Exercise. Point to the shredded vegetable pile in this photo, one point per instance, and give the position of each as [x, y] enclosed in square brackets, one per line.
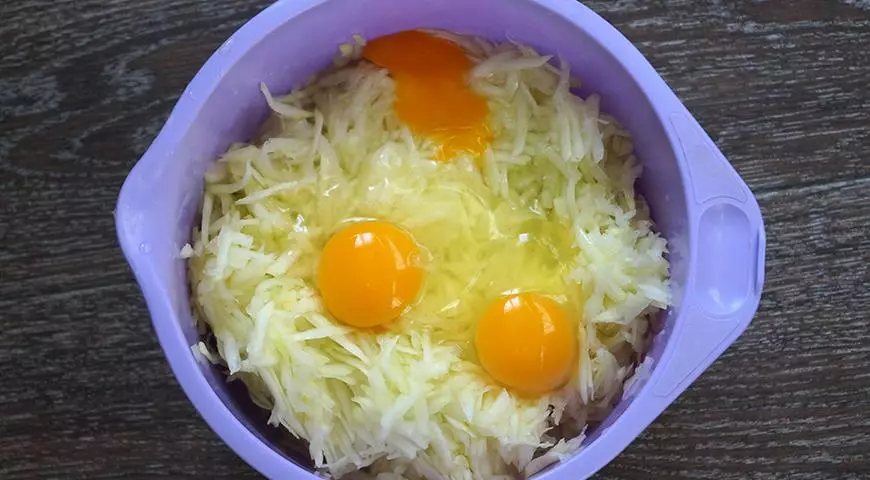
[410, 401]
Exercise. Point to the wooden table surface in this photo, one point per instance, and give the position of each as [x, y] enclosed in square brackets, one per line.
[783, 88]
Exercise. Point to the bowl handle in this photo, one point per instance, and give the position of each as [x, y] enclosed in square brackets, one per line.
[724, 288]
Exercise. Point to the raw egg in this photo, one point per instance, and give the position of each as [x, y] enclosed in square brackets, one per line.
[432, 93]
[525, 342]
[369, 273]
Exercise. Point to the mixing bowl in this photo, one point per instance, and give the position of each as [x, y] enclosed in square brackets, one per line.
[707, 213]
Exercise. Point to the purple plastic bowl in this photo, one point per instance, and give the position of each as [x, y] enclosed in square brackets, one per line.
[701, 205]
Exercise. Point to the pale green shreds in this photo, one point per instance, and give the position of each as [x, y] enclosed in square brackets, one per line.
[407, 403]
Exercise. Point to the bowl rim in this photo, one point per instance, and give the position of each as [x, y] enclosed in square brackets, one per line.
[185, 366]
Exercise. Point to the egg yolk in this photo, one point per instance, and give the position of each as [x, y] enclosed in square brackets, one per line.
[526, 343]
[369, 273]
[432, 93]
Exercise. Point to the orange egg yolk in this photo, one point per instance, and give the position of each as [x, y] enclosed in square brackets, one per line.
[369, 273]
[432, 93]
[526, 343]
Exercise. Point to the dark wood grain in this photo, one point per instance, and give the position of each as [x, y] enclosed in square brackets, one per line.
[783, 87]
